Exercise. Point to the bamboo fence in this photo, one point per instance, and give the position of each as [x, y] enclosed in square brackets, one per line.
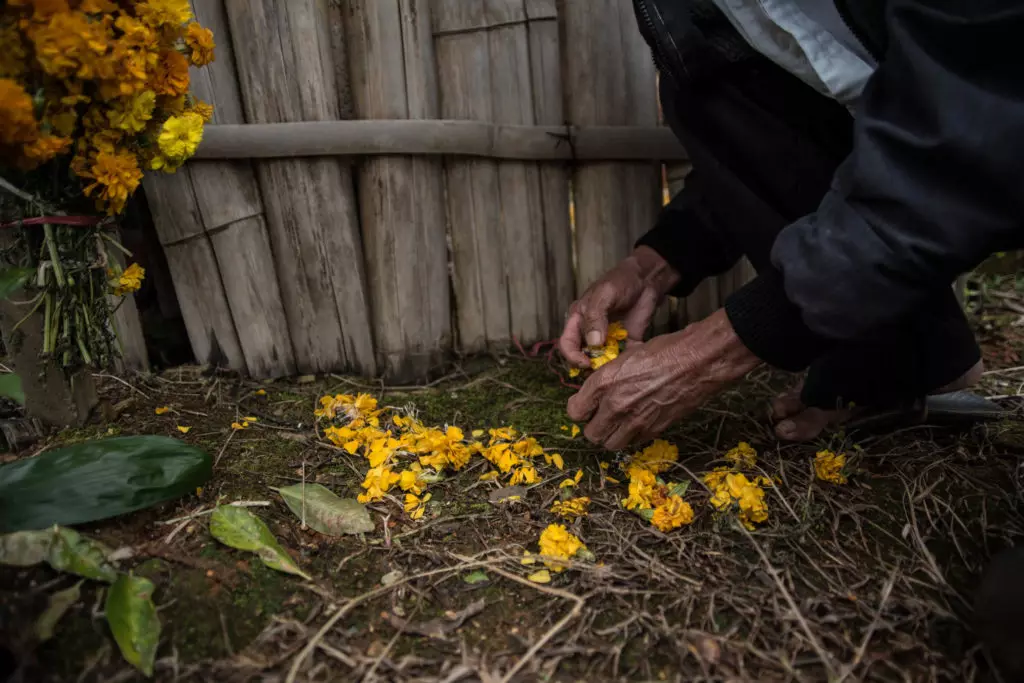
[387, 183]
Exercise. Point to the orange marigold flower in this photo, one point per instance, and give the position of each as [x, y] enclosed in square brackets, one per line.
[134, 33]
[158, 13]
[45, 148]
[171, 74]
[204, 109]
[13, 55]
[200, 41]
[116, 176]
[17, 121]
[69, 44]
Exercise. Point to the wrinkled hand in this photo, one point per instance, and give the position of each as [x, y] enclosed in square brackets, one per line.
[631, 291]
[650, 386]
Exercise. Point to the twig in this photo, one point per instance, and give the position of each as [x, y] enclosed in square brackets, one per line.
[314, 642]
[237, 504]
[102, 375]
[863, 647]
[818, 649]
[225, 446]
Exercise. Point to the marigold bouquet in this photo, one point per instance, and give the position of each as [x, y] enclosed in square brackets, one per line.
[92, 93]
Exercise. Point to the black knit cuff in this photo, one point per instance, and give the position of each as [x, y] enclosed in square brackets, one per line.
[690, 245]
[771, 326]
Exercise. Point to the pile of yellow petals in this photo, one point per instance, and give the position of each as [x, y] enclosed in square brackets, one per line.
[243, 423]
[557, 547]
[829, 466]
[655, 500]
[731, 489]
[602, 355]
[742, 456]
[106, 82]
[571, 508]
[402, 452]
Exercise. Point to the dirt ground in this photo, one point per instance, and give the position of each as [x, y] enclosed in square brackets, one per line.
[867, 581]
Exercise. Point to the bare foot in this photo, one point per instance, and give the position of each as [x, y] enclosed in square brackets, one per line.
[798, 423]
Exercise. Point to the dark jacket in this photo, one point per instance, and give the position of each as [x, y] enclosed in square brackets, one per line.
[934, 185]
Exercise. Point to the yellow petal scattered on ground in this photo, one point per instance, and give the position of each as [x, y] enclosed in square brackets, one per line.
[162, 410]
[183, 429]
[543, 576]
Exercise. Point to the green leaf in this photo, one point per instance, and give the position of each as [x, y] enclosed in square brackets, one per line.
[60, 603]
[647, 514]
[98, 479]
[680, 489]
[325, 512]
[13, 279]
[479, 576]
[25, 548]
[74, 553]
[133, 620]
[10, 387]
[238, 528]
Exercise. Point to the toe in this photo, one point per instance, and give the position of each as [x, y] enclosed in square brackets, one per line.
[786, 405]
[805, 425]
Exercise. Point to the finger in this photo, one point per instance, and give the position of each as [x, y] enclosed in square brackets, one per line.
[601, 426]
[627, 433]
[639, 317]
[595, 314]
[584, 402]
[571, 341]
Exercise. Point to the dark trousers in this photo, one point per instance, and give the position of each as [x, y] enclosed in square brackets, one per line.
[764, 147]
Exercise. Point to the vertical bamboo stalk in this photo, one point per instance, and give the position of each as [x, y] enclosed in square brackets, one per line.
[401, 199]
[610, 80]
[510, 233]
[193, 266]
[229, 202]
[287, 73]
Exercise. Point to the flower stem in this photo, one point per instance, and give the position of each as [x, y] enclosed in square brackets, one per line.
[51, 245]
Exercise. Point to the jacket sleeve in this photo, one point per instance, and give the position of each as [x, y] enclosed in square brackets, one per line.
[934, 184]
[685, 236]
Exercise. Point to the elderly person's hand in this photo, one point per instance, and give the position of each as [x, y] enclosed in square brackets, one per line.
[650, 386]
[631, 291]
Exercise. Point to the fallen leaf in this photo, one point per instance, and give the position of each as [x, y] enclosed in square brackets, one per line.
[60, 603]
[507, 492]
[438, 628]
[479, 576]
[543, 576]
[25, 548]
[71, 552]
[238, 528]
[133, 620]
[325, 512]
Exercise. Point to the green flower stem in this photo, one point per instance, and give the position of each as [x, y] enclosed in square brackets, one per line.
[51, 245]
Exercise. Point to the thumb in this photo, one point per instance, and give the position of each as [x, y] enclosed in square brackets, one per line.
[595, 323]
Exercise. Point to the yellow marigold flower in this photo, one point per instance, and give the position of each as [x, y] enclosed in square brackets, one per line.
[572, 508]
[17, 121]
[130, 280]
[200, 41]
[743, 455]
[132, 113]
[673, 513]
[734, 487]
[524, 474]
[558, 545]
[115, 176]
[415, 505]
[134, 33]
[829, 467]
[158, 13]
[204, 109]
[657, 457]
[642, 485]
[181, 135]
[46, 147]
[170, 76]
[70, 44]
[126, 70]
[378, 481]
